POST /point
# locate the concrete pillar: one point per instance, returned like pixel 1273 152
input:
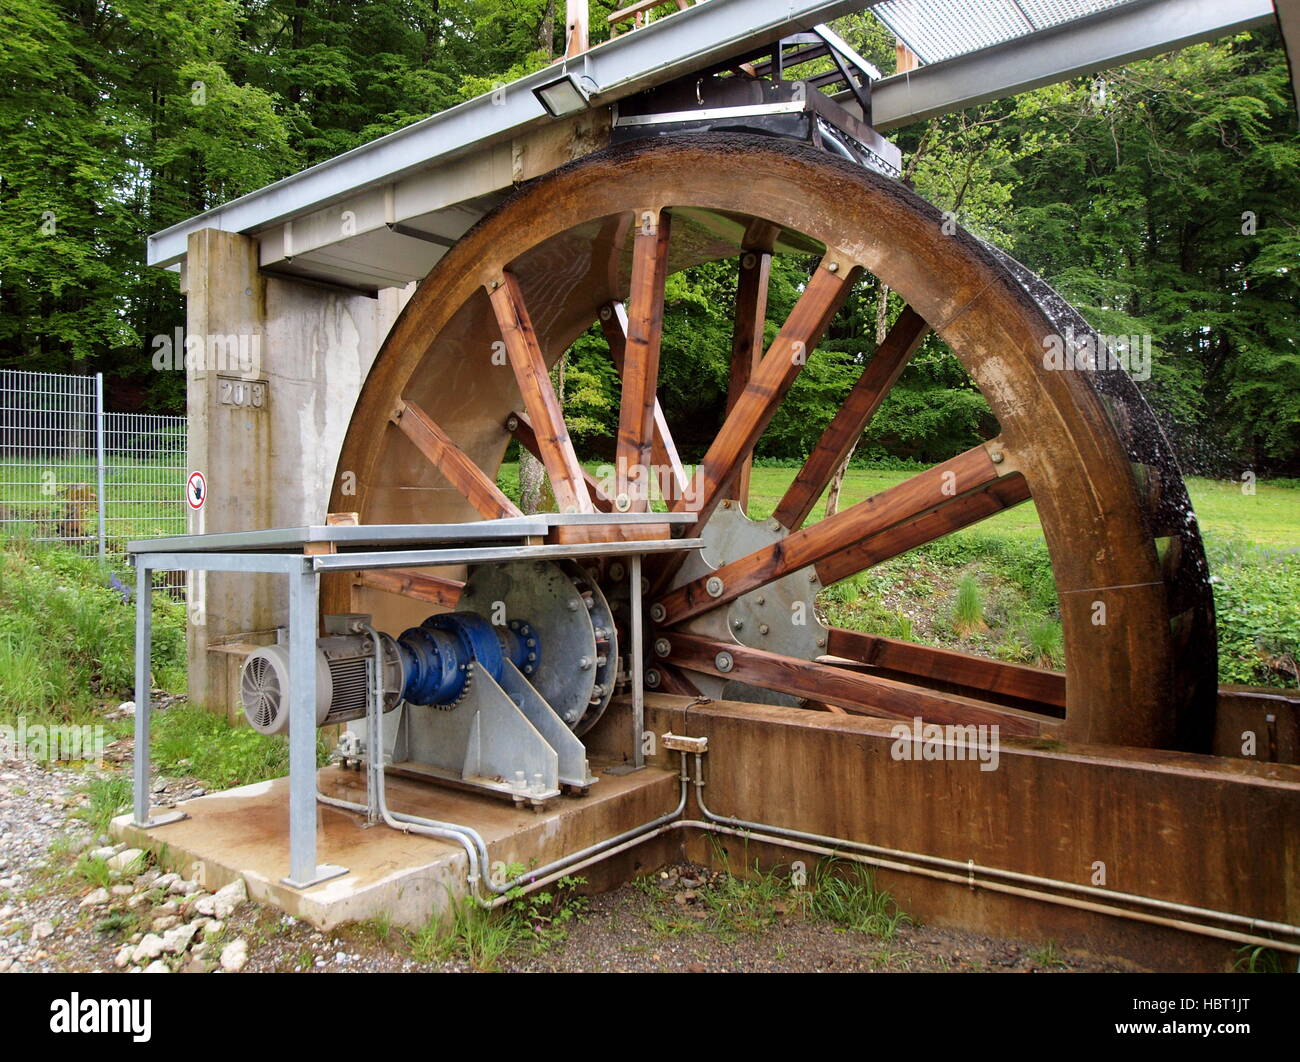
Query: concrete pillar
pixel 274 367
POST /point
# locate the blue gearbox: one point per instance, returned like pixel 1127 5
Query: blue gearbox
pixel 436 655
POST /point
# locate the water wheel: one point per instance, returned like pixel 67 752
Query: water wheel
pixel 465 369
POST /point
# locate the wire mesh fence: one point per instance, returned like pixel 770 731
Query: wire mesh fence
pixel 71 472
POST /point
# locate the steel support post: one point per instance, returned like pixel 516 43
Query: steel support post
pixel 143 700
pixel 638 662
pixel 303 869
pixel 101 499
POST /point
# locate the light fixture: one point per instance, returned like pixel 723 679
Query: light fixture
pixel 566 95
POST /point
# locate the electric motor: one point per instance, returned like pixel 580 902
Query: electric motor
pixel 342 681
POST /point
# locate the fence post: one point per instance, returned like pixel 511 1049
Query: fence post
pixel 99 463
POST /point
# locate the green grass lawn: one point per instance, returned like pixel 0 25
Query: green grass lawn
pixel 1270 517
pixel 767 486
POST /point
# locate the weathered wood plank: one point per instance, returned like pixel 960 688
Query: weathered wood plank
pixel 539 396
pixel 747 348
pixel 449 459
pixel 673 681
pixel 821 299
pixel 836 534
pixel 961 512
pixel 958 669
pixel 643 331
pixel 863 694
pixel 672 475
pixel 411 583
pixel 521 428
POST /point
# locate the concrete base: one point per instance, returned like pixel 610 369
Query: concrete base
pixel 244 833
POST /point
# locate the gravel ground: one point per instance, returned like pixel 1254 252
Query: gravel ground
pixel 54 916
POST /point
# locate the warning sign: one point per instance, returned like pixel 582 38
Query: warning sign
pixel 196 491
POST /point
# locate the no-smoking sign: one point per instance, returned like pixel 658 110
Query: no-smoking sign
pixel 196 491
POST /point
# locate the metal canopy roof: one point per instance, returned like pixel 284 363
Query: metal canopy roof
pixel 943 29
pixel 408 196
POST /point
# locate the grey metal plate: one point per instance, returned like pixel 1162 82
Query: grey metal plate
pixel 780 617
pixel 430 557
pixel 295 538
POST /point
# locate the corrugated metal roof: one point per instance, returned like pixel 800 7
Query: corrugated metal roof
pixel 943 29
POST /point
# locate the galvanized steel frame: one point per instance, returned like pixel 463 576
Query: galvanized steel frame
pixel 222 552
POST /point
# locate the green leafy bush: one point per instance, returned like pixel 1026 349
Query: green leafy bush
pixel 1257 603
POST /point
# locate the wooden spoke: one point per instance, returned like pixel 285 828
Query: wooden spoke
pixel 958 669
pixel 823 296
pixel 960 512
pixel 553 442
pixel 747 348
pixel 644 330
pixel 846 427
pixel 859 693
pixel 461 472
pixel 521 428
pixel 411 583
pixel 673 483
pixel 829 539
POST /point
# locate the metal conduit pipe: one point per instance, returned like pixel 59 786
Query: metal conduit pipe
pixel 936 867
pixel 884 864
pixel 473 843
pixel 602 849
pixel 552 871
pixel 424 827
pixel 376 807
pixel 995 886
pixel 969 872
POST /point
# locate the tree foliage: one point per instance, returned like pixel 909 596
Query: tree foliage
pixel 1160 199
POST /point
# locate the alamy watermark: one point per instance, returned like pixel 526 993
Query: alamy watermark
pixel 1088 351
pixel 229 353
pixel 627 483
pixel 59 743
pixel 930 741
pixel 92 1015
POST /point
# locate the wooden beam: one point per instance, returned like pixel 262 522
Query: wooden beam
pixel 846 427
pixel 521 428
pixel 643 331
pixel 411 583
pixel 539 397
pixel 642 334
pixel 673 483
pixel 961 512
pixel 747 348
pixel 897 505
pixel 959 669
pixel 863 694
pixel 449 459
pixel 821 299
pixel 577 21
